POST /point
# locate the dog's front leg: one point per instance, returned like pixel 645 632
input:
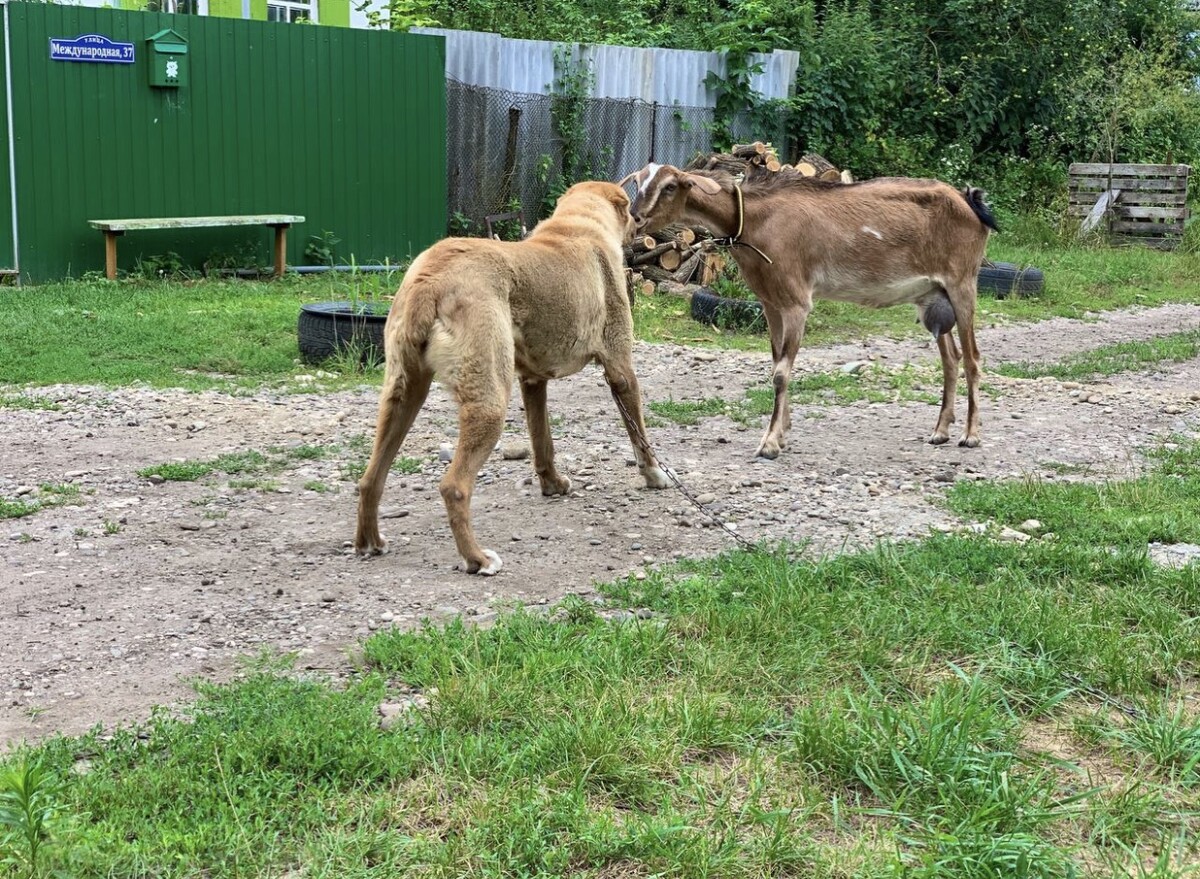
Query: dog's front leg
pixel 628 396
pixel 533 392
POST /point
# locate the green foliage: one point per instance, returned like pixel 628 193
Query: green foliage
pixel 28 806
pixel 321 249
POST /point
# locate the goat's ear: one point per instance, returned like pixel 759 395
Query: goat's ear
pixel 627 178
pixel 705 184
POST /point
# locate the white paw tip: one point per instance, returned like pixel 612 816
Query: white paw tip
pixel 495 565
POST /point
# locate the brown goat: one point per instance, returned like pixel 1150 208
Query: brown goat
pixel 877 243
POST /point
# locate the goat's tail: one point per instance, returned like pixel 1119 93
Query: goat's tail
pixel 975 198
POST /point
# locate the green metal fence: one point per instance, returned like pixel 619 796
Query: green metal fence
pixel 345 127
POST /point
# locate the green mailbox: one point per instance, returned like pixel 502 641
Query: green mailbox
pixel 168 59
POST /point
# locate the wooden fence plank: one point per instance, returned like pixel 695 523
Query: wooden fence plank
pixel 1126 170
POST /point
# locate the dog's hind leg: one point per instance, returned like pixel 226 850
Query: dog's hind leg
pixel 533 392
pixel 623 383
pixel 479 427
pixel 403 394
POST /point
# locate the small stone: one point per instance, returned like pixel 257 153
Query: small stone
pixel 1172 409
pixel 704 357
pixel 387 616
pixel 707 498
pixel 854 367
pixel 1012 535
pixel 445 453
pixel 155 479
pixel 393 514
pixel 1031 525
pixel 944 476
pixel 189 526
pixel 514 451
pixel 447 610
pixel 1094 399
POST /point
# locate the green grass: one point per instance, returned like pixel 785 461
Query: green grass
pixel 1079 281
pixel 23 401
pixel 1162 505
pixel 191 334
pixel 862 715
pixel 1112 359
pixel 48 495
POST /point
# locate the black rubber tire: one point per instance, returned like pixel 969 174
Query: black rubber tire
pixel 1003 279
pixel 709 308
pixel 326 328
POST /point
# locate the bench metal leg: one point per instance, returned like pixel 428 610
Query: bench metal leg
pixel 110 254
pixel 280 250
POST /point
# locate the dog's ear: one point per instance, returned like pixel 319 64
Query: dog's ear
pixel 705 184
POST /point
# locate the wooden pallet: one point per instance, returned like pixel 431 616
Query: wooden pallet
pixel 1146 204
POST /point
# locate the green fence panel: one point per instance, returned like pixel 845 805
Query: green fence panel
pixel 345 127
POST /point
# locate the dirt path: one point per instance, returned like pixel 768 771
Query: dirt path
pixel 100 622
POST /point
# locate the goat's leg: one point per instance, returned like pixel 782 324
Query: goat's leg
pixel 949 353
pixel 792 321
pixel 970 352
pixel 534 394
pixel 775 329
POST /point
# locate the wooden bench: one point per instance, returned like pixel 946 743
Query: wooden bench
pixel 113 229
pixel 1142 204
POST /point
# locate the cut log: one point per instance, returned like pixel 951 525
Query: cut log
pixel 818 163
pixel 647 242
pixel 670 260
pixel 711 267
pixel 830 175
pixel 657 252
pixel 686 236
pixel 847 177
pixel 773 164
pixel 654 273
pixel 689 267
pixel 674 288
pixel 807 169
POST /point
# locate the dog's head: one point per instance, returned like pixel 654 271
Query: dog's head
pixel 613 195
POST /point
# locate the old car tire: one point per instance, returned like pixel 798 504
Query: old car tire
pixel 709 308
pixel 1005 279
pixel 327 328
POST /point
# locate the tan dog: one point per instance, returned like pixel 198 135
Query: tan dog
pixel 472 311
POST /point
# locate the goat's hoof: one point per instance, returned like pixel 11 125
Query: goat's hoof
pixel 969 442
pixel 768 454
pixel 938 439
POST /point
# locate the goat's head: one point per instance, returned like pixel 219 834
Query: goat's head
pixel 662 194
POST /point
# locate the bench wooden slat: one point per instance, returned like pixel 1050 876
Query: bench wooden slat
pixel 194 222
pixel 1148 228
pixel 1126 170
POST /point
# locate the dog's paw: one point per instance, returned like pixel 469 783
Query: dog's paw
pixel 658 477
pixel 492 567
pixel 374 546
pixel 557 485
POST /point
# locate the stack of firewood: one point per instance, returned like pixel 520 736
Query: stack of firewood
pixel 746 159
pixel 682 254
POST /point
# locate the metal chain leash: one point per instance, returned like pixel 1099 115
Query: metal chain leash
pixel 666 468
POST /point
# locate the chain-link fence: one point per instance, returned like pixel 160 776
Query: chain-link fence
pixel 503 152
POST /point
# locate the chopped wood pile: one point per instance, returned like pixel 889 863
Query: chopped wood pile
pixel 748 159
pixel 681 254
